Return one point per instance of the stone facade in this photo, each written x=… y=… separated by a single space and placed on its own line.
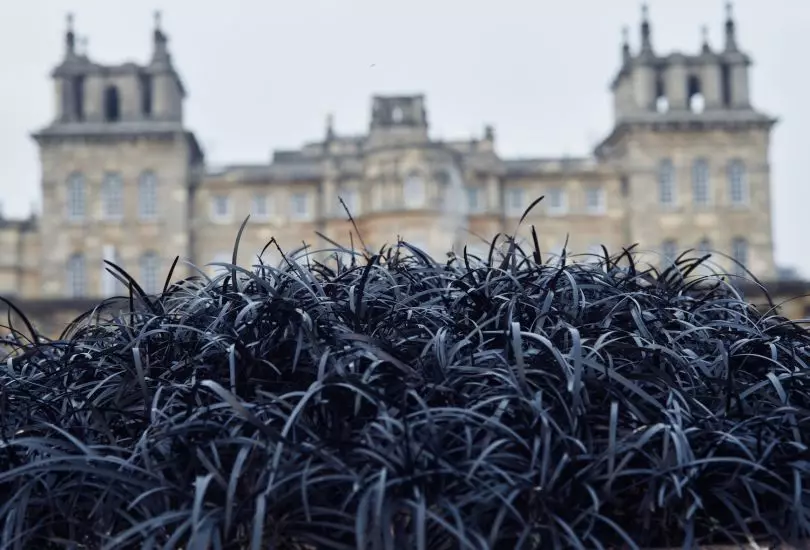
x=686 y=166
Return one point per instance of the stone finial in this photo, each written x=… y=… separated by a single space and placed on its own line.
x=330 y=126
x=160 y=52
x=489 y=133
x=704 y=38
x=646 y=31
x=70 y=36
x=626 y=43
x=731 y=39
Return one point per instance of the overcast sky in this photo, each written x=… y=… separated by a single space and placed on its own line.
x=264 y=74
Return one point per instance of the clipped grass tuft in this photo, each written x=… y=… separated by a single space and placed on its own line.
x=393 y=401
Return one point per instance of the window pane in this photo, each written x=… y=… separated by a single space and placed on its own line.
x=700 y=182
x=150 y=273
x=75 y=198
x=666 y=183
x=260 y=207
x=298 y=206
x=112 y=196
x=413 y=191
x=351 y=199
x=739 y=251
x=220 y=206
x=738 y=184
x=474 y=199
x=594 y=199
x=147 y=195
x=110 y=284
x=514 y=201
x=556 y=200
x=76 y=276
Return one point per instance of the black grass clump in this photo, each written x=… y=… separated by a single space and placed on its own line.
x=394 y=401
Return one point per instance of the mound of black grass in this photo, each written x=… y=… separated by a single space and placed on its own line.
x=396 y=402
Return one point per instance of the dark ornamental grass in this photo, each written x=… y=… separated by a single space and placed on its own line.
x=395 y=401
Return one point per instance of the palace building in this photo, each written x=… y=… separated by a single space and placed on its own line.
x=685 y=166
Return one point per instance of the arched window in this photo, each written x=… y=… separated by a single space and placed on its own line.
x=739 y=251
x=112 y=104
x=150 y=270
x=147 y=196
x=75 y=197
x=737 y=183
x=661 y=100
x=413 y=191
x=666 y=183
x=76 y=281
x=694 y=95
x=700 y=182
x=112 y=196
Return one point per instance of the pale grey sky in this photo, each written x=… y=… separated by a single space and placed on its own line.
x=264 y=74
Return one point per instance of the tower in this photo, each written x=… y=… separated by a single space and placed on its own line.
x=118 y=171
x=693 y=151
x=398 y=119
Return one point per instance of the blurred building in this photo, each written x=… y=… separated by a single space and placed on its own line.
x=685 y=166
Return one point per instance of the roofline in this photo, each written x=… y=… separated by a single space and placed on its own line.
x=688 y=125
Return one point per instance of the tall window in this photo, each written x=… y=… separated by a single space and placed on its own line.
x=109 y=284
x=595 y=199
x=299 y=206
x=666 y=183
x=260 y=206
x=112 y=104
x=147 y=196
x=475 y=199
x=737 y=183
x=413 y=191
x=76 y=282
x=220 y=208
x=112 y=196
x=557 y=203
x=75 y=197
x=352 y=200
x=739 y=251
x=514 y=201
x=669 y=252
x=150 y=266
x=700 y=182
